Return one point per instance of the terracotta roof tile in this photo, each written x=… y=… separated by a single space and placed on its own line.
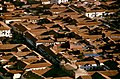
x=3 y=26
x=38 y=65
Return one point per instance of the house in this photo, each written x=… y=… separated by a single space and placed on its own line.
x=19 y=27
x=22 y=63
x=34 y=35
x=95 y=13
x=66 y=77
x=45 y=1
x=29 y=54
x=6 y=59
x=31 y=19
x=9 y=6
x=5 y=30
x=48 y=42
x=101 y=74
x=57 y=9
x=36 y=74
x=14 y=74
x=113 y=35
x=8 y=47
x=13 y=47
x=23 y=48
x=58 y=1
x=93 y=65
x=37 y=66
x=10 y=19
x=13 y=17
x=32 y=26
x=73 y=70
x=41 y=36
x=1 y=7
x=99 y=13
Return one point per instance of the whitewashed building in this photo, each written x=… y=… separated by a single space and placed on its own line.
x=16 y=76
x=1 y=7
x=45 y=1
x=5 y=30
x=58 y=1
x=99 y=13
x=95 y=13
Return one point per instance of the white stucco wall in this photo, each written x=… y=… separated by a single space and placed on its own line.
x=35 y=68
x=46 y=2
x=58 y=1
x=1 y=8
x=8 y=21
x=16 y=76
x=5 y=33
x=92 y=14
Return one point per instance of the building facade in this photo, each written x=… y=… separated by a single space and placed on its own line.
x=5 y=31
x=58 y=1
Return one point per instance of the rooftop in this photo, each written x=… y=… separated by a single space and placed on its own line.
x=3 y=26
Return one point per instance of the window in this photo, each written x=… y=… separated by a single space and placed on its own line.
x=88 y=15
x=4 y=32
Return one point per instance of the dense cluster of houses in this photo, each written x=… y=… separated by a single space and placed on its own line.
x=73 y=33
